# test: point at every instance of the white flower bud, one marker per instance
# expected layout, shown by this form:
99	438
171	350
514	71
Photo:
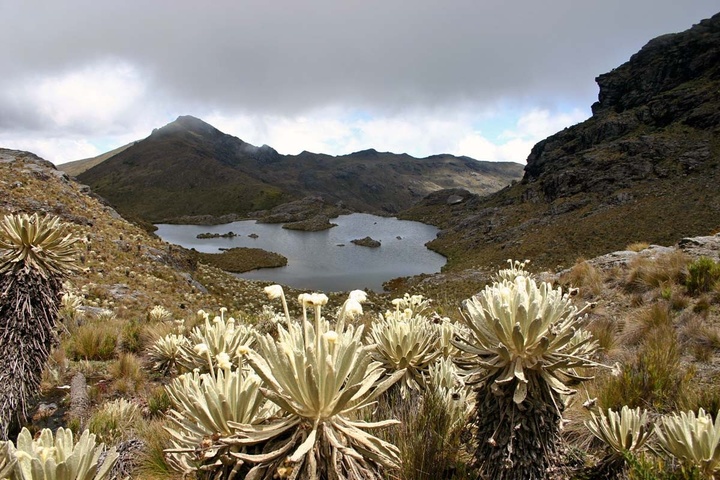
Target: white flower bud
274	291
353	307
223	361
358	295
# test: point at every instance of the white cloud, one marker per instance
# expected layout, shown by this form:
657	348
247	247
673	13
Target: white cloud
56	150
420	134
94	97
514	144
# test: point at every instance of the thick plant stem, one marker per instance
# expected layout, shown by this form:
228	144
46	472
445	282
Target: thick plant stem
28	310
517	441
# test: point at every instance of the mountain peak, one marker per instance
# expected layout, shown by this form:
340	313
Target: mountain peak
188	123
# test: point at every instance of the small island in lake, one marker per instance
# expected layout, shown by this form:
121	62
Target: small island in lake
366	242
242	259
315	223
216	235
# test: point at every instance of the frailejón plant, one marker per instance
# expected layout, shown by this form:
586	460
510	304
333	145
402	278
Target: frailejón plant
35	253
523	343
59	458
166	352
626	431
693	439
7	462
445	383
623	433
404	341
203	407
320	378
214	342
515	269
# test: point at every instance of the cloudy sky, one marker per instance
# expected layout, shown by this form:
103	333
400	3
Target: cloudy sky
483	78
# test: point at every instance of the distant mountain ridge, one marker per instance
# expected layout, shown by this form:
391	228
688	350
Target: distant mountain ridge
644	167
190	168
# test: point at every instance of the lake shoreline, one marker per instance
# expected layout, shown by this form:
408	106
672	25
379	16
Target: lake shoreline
315	260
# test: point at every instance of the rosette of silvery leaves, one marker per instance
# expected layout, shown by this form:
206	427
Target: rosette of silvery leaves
213	343
407	341
693	439
523	344
204	405
320	378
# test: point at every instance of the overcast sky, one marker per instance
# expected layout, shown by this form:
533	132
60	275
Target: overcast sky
483	78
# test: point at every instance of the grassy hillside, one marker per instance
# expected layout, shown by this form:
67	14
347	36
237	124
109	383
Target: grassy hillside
78	166
189	168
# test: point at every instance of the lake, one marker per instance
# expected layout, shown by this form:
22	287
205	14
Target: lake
325	261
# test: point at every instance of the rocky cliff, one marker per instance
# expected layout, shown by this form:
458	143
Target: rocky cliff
644	167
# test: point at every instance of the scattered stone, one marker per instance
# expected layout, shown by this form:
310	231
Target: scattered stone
454	199
253	235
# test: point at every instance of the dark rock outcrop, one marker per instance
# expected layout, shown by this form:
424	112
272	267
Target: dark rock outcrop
644	167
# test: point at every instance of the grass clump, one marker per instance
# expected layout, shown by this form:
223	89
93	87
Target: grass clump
655	378
429	441
584	276
132	338
93	341
637	246
114	421
128	374
646	273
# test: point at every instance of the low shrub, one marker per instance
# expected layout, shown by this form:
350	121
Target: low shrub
703	275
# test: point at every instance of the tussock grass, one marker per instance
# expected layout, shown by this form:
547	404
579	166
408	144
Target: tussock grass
429	447
646	320
153	465
128	374
93	341
702	339
637	246
585	277
647	273
605	331
158	401
131	337
655	378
